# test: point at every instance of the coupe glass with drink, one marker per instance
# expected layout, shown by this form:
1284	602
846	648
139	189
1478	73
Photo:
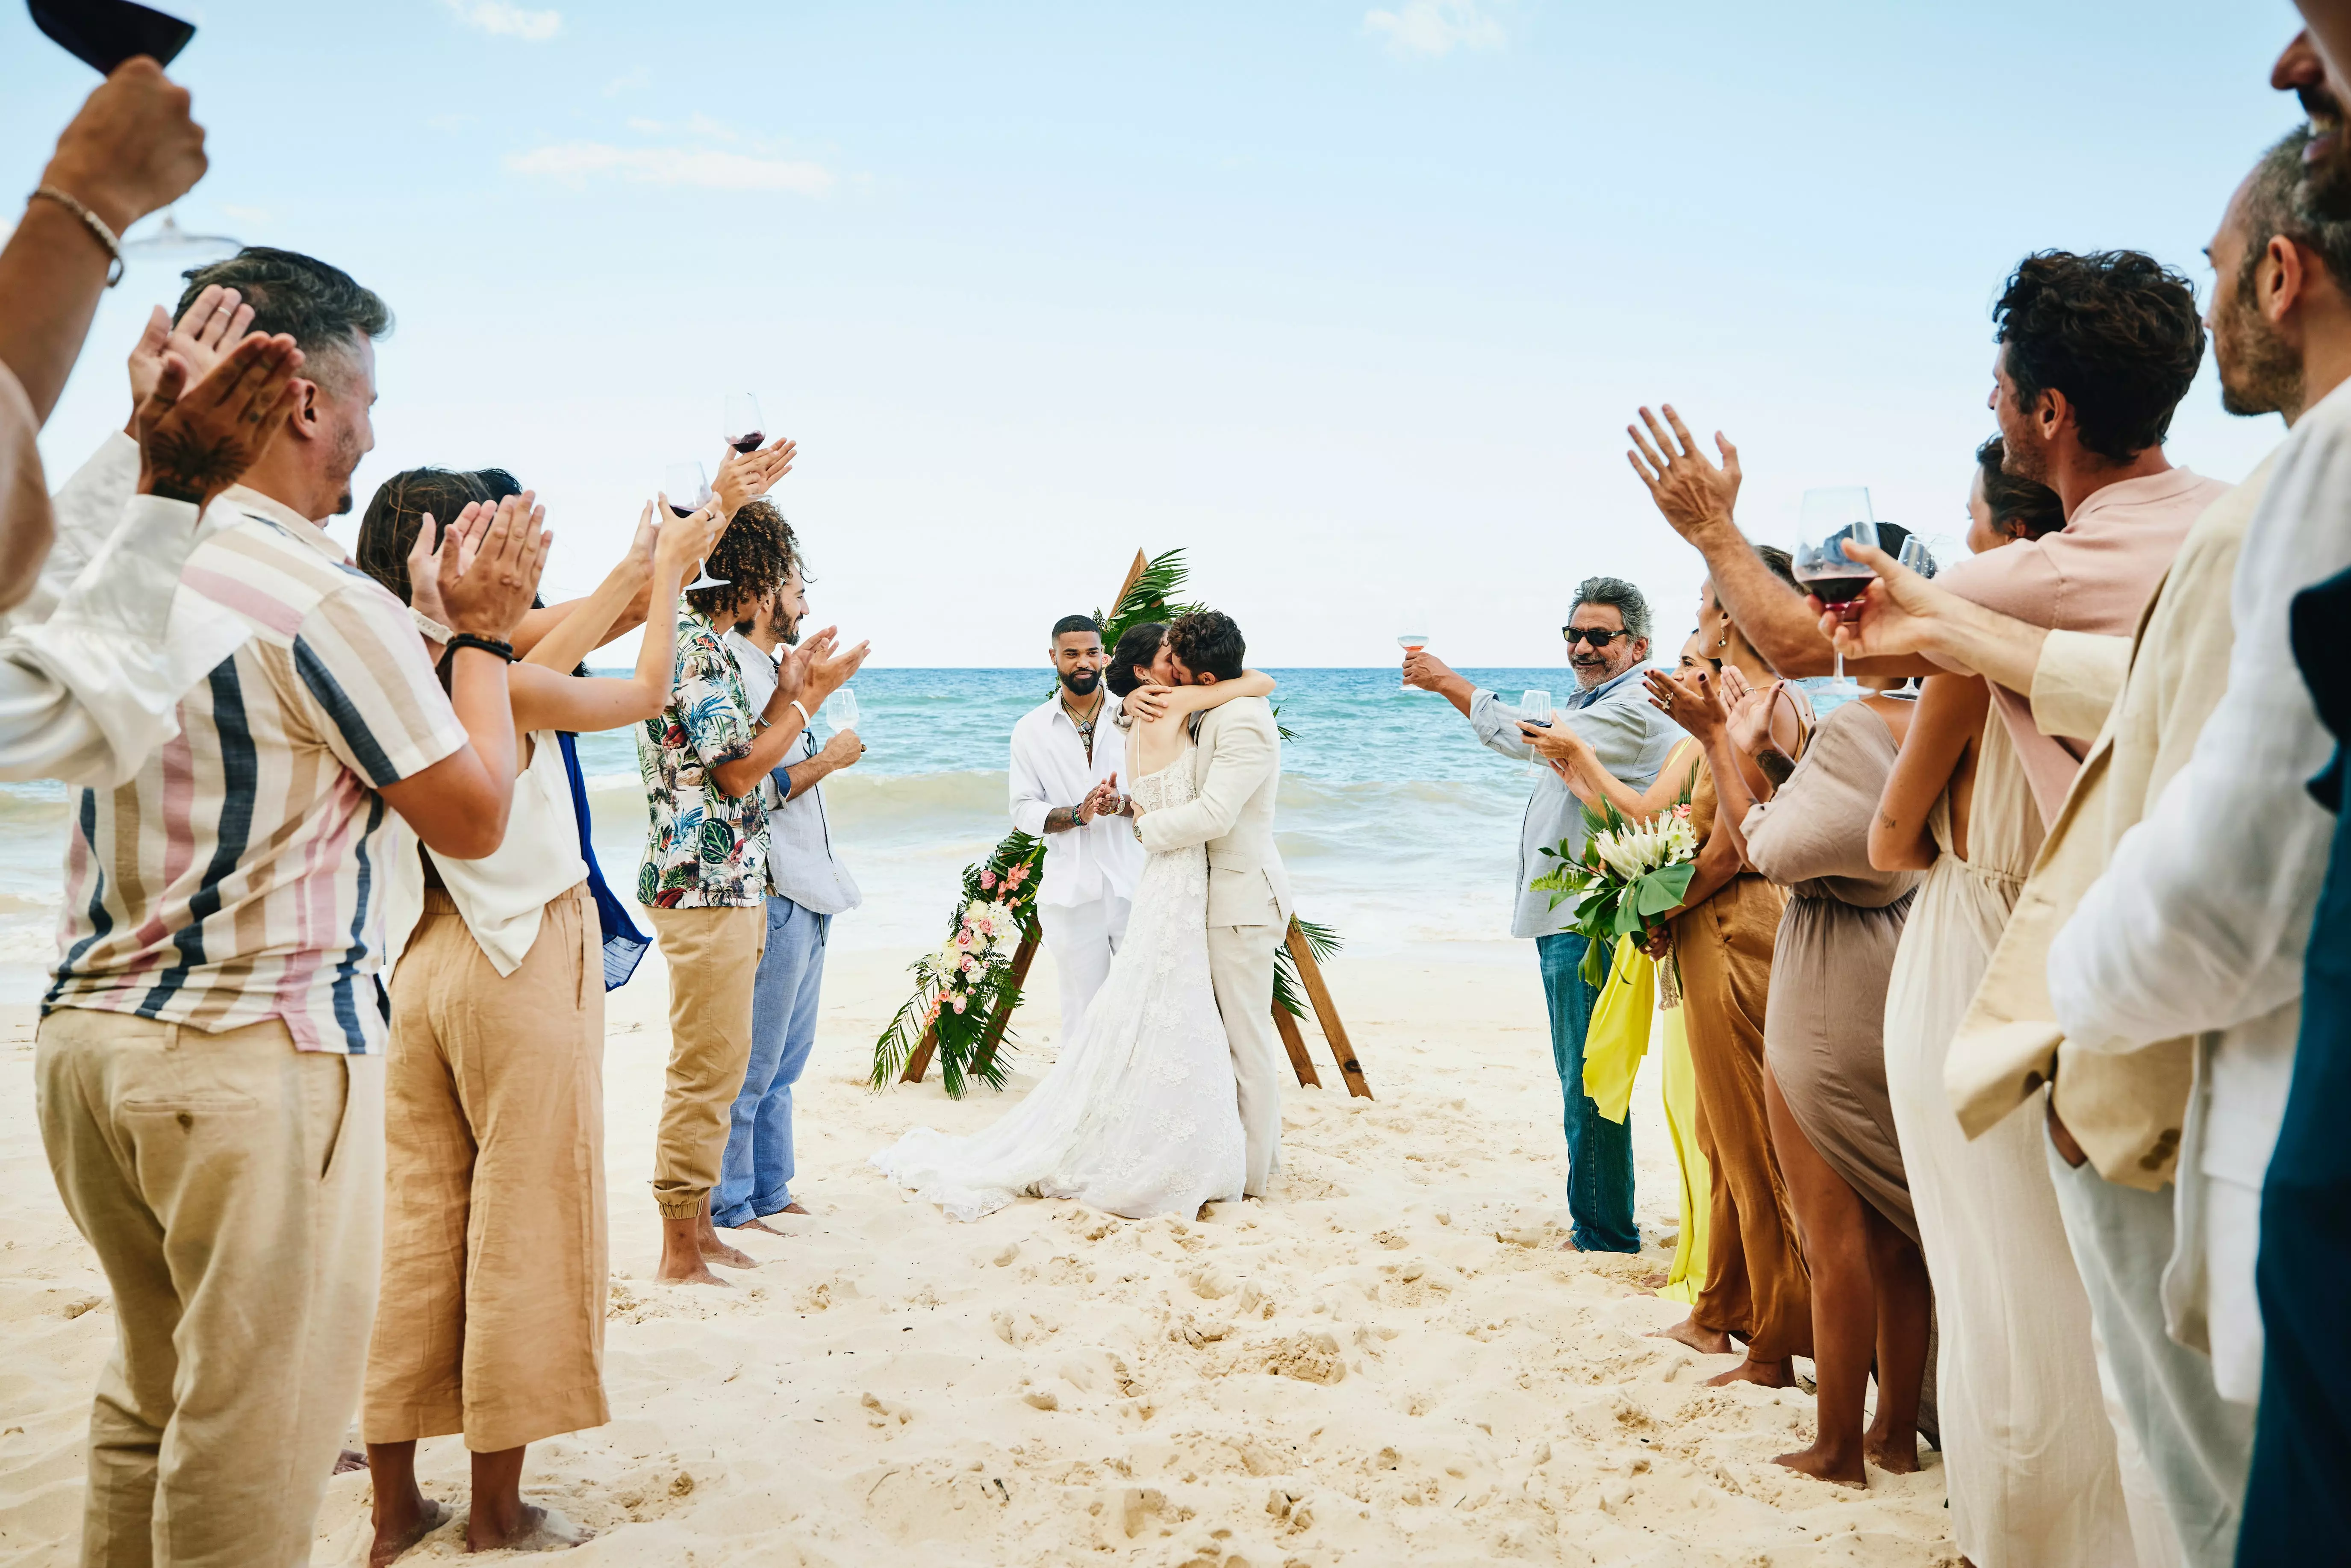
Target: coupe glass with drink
687	489
743	428
1411	642
1837	517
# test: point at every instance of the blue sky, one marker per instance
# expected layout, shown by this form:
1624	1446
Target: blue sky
1351	300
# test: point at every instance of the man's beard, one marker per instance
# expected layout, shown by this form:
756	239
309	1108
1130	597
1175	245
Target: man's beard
787	632
2024	460
1082	683
1590	670
2259	373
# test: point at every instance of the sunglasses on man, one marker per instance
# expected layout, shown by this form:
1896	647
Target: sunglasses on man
1598	639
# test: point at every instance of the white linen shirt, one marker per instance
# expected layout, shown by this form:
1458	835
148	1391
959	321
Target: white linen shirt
1085	865
2199	923
93	665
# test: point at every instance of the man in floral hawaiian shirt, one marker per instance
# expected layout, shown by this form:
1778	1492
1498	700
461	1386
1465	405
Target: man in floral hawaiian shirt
704	882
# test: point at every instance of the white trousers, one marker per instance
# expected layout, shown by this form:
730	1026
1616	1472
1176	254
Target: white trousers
1083	937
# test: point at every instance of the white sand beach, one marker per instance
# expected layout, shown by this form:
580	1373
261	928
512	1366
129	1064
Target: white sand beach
1390	1362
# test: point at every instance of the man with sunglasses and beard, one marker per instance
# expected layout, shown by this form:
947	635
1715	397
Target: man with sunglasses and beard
1607	635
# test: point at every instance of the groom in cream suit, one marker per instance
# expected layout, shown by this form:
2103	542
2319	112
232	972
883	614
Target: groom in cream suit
1236	771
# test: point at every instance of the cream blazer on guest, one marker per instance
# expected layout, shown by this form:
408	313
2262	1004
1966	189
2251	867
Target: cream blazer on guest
2147	699
1236	770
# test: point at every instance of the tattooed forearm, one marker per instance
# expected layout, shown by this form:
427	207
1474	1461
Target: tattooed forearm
1060	818
1774	765
189	466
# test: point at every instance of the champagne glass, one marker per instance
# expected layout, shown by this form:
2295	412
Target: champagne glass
688	489
1411	642
841	709
1836	579
744	427
1534	708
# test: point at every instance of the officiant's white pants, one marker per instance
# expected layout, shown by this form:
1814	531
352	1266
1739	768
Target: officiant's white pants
1083	937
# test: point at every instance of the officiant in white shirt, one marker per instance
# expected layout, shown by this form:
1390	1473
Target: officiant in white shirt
1068	757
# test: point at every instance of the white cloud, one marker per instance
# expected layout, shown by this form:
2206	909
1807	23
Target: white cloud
1433	27
709	169
504	19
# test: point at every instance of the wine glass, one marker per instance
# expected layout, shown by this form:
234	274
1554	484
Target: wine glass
743	427
1534	708
1918	556
1835	579
841	709
1411	642
688	489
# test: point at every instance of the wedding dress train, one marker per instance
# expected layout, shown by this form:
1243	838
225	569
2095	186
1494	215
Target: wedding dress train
1142	1118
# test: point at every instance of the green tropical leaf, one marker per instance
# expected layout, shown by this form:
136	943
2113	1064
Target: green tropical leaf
1663	888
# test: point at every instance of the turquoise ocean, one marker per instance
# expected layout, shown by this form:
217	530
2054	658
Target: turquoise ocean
1398	827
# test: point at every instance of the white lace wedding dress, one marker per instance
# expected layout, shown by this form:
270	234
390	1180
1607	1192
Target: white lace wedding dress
1142	1119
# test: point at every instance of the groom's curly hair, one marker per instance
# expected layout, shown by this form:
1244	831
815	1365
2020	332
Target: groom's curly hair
1208	643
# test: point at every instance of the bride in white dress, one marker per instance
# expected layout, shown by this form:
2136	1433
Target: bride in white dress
1142	1118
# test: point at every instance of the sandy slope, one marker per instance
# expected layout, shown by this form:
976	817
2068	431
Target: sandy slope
1392	1362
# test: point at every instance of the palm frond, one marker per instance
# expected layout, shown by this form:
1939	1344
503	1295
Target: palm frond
1150	597
1289	990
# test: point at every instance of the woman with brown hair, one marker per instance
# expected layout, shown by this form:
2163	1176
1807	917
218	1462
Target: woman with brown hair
491	1310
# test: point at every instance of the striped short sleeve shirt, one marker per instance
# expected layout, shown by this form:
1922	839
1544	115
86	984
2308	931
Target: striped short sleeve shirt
239	877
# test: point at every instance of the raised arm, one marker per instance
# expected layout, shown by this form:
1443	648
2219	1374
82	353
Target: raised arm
618	604
1697	497
547	697
1951	710
1571	757
1151	703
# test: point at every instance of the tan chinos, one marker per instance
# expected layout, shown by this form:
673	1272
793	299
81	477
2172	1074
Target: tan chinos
233	1190
495	1256
714	962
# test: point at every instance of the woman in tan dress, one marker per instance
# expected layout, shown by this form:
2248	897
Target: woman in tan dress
1824	1082
1756	1286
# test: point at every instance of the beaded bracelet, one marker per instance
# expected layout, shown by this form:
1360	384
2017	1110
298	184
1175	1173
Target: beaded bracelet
96	224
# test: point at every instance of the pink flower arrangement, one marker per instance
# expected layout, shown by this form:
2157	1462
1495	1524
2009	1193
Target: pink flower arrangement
988	880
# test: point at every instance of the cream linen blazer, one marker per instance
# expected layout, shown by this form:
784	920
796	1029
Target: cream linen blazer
1236	770
2146	698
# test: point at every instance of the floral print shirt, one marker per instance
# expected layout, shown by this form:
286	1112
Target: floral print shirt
706	848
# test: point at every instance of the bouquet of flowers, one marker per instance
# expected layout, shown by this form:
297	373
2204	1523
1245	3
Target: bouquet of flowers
965	987
1629	873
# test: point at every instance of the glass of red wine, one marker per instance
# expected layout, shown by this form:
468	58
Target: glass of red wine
1826	572
687	489
744	427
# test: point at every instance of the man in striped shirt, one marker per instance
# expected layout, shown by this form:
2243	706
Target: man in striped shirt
209	1083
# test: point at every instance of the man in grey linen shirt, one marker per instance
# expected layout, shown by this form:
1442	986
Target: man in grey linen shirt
1607	642
810	886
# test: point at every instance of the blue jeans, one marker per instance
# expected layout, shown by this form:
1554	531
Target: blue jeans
756	1178
1599	1151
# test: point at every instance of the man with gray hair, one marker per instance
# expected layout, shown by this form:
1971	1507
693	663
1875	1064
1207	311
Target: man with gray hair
1607	637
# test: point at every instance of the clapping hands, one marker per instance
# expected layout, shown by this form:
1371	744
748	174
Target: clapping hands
197	436
1692	701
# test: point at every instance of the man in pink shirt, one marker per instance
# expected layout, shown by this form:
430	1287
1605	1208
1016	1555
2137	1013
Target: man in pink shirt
2095	350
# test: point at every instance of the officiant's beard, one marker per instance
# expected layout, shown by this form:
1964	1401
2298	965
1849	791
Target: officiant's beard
1082	683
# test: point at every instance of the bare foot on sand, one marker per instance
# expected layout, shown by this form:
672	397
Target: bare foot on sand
1764	1373
791	1208
1825	1464
1569	1245
534	1529
1896	1457
755	1223
401	1528
349	1459
682	1253
1656	1280
715	1251
1703	1341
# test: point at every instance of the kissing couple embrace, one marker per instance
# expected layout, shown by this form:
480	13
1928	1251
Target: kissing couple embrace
1169	1097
